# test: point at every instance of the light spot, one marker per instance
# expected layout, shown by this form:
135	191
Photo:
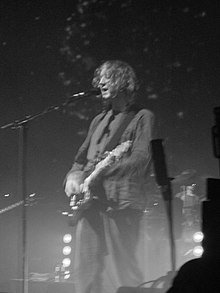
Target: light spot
180	115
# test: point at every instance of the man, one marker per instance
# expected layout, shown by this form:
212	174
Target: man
107	231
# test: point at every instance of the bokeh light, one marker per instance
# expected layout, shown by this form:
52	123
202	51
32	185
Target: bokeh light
67	238
198	251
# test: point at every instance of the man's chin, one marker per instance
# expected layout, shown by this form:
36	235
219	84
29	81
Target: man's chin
106	97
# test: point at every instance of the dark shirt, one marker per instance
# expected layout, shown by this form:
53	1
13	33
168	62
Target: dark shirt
124	183
103	133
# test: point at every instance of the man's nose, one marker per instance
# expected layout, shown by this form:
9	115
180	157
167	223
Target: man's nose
102	82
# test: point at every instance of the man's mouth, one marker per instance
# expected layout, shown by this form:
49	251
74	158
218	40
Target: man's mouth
104	90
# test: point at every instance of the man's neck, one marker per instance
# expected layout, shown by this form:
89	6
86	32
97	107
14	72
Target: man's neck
119	104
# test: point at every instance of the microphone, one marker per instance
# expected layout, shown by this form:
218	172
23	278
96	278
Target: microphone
92	92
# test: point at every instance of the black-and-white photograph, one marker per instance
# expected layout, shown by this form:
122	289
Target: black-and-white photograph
109	146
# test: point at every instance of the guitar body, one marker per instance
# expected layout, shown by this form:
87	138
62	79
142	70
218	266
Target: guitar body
82	201
75	215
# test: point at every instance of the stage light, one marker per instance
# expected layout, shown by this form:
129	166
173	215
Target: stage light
198	251
198	236
67	238
66	250
66	262
66	275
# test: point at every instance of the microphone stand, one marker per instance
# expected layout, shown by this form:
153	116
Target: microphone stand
22	126
216	135
164	182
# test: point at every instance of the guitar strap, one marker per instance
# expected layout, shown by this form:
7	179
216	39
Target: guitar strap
113	142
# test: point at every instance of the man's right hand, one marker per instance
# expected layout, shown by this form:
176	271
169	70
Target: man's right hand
72	185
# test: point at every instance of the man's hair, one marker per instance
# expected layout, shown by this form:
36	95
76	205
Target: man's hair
121	75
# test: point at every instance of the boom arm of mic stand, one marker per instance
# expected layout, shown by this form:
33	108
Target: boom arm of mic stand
26	119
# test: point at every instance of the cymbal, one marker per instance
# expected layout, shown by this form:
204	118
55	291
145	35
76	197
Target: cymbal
184	176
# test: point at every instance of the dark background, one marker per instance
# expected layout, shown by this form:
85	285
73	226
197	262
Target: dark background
49	50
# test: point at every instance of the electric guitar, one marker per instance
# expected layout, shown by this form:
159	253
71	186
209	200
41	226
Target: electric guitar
79	202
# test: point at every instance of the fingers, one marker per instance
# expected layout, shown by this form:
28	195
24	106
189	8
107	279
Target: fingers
68	191
71	188
81	187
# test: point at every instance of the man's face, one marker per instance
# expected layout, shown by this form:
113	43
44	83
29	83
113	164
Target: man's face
106	86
